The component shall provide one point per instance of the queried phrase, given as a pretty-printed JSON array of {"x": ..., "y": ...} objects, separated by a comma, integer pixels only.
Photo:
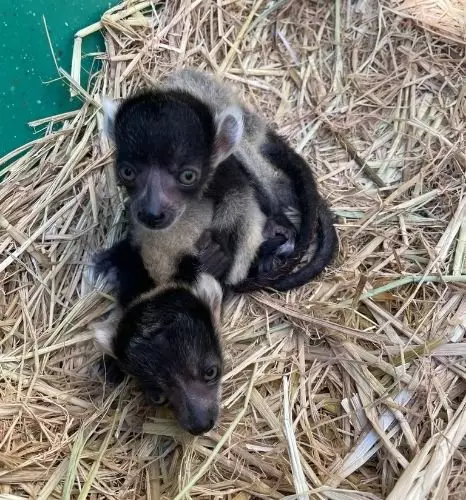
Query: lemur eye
[
  {"x": 188, "y": 177},
  {"x": 158, "y": 399},
  {"x": 211, "y": 374},
  {"x": 127, "y": 173}
]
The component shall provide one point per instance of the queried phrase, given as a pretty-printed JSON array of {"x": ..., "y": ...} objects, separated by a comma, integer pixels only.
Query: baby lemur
[
  {"x": 166, "y": 339},
  {"x": 203, "y": 171}
]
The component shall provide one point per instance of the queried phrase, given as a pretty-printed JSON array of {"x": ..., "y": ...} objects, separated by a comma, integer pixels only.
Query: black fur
[
  {"x": 159, "y": 135},
  {"x": 125, "y": 262},
  {"x": 267, "y": 256},
  {"x": 132, "y": 280},
  {"x": 156, "y": 128},
  {"x": 188, "y": 270},
  {"x": 111, "y": 370},
  {"x": 228, "y": 178},
  {"x": 215, "y": 257},
  {"x": 231, "y": 174},
  {"x": 315, "y": 219}
]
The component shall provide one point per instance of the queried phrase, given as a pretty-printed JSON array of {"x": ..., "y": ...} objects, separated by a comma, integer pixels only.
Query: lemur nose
[{"x": 151, "y": 219}]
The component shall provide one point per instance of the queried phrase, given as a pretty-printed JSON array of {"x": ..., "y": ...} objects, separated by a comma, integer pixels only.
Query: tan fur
[
  {"x": 249, "y": 241},
  {"x": 160, "y": 250},
  {"x": 151, "y": 294},
  {"x": 241, "y": 212},
  {"x": 249, "y": 155},
  {"x": 204, "y": 87}
]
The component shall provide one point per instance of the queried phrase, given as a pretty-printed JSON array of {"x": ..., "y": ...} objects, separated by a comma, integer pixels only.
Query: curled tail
[
  {"x": 281, "y": 279},
  {"x": 315, "y": 218}
]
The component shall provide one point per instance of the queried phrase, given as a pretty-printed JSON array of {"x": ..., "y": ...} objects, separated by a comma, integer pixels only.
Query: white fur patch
[
  {"x": 105, "y": 332},
  {"x": 208, "y": 289},
  {"x": 110, "y": 108}
]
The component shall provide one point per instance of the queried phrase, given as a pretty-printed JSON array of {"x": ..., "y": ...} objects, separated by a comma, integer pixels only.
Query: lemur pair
[{"x": 211, "y": 191}]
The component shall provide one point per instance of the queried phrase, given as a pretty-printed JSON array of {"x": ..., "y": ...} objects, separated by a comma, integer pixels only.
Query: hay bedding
[{"x": 351, "y": 387}]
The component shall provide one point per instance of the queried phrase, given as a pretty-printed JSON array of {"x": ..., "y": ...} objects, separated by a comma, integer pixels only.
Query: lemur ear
[
  {"x": 208, "y": 289},
  {"x": 105, "y": 333},
  {"x": 230, "y": 128},
  {"x": 110, "y": 108},
  {"x": 104, "y": 336}
]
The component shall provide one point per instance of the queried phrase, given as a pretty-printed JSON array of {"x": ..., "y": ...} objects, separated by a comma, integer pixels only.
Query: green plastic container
[{"x": 29, "y": 85}]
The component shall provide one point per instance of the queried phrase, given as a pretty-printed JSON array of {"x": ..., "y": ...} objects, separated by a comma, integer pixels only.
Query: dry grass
[
  {"x": 353, "y": 387},
  {"x": 446, "y": 18}
]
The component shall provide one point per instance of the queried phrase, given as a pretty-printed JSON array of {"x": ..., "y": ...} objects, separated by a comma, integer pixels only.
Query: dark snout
[
  {"x": 153, "y": 218},
  {"x": 199, "y": 420},
  {"x": 197, "y": 414},
  {"x": 155, "y": 207}
]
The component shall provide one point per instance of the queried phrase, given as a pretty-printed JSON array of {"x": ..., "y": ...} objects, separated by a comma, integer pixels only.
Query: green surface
[{"x": 27, "y": 89}]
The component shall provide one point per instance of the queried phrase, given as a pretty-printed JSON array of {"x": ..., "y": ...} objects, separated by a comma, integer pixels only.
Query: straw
[{"x": 350, "y": 387}]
